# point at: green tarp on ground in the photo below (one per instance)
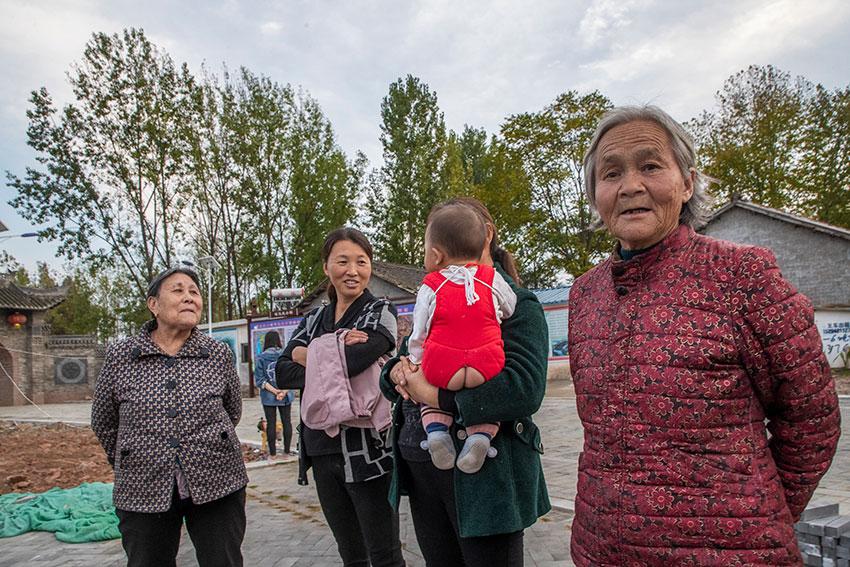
(75, 515)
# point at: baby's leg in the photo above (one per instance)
(439, 444)
(435, 418)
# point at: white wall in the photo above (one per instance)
(834, 328)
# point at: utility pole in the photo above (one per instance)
(210, 264)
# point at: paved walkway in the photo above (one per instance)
(286, 527)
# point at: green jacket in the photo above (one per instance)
(508, 493)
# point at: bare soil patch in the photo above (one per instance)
(38, 457)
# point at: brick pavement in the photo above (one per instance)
(286, 527)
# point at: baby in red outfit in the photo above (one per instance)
(456, 337)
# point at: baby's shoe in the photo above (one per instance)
(475, 450)
(442, 449)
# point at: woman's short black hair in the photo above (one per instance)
(271, 340)
(156, 283)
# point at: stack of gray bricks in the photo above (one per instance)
(824, 536)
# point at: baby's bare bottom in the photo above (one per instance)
(466, 377)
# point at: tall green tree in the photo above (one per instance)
(751, 141)
(779, 141)
(551, 145)
(111, 163)
(324, 186)
(13, 269)
(213, 181)
(824, 167)
(416, 173)
(80, 314)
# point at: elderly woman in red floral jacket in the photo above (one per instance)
(708, 407)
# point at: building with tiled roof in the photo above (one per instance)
(35, 366)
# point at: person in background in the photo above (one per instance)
(165, 409)
(273, 399)
(352, 469)
(708, 406)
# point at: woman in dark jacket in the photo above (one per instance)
(477, 519)
(708, 406)
(273, 399)
(165, 409)
(351, 470)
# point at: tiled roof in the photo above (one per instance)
(407, 278)
(14, 296)
(814, 225)
(553, 295)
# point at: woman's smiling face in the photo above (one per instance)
(349, 270)
(640, 189)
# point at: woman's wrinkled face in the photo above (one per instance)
(349, 269)
(640, 190)
(178, 305)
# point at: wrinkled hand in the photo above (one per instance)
(355, 336)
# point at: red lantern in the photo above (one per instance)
(16, 319)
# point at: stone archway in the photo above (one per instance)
(7, 390)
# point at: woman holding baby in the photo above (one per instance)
(473, 372)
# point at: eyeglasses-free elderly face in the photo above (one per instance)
(156, 283)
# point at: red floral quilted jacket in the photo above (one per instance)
(683, 359)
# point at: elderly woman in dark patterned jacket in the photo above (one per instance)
(708, 406)
(165, 409)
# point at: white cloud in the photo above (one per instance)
(271, 28)
(604, 17)
(681, 62)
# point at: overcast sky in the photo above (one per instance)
(485, 59)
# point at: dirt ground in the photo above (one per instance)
(35, 458)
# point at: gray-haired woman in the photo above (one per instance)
(165, 408)
(708, 406)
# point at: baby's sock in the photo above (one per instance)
(475, 450)
(440, 445)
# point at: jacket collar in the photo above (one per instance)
(350, 316)
(630, 269)
(196, 346)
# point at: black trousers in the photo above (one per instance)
(271, 427)
(432, 505)
(364, 524)
(216, 529)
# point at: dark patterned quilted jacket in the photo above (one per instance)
(151, 410)
(680, 357)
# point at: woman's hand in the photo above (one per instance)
(355, 336)
(411, 383)
(280, 394)
(299, 355)
(397, 375)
